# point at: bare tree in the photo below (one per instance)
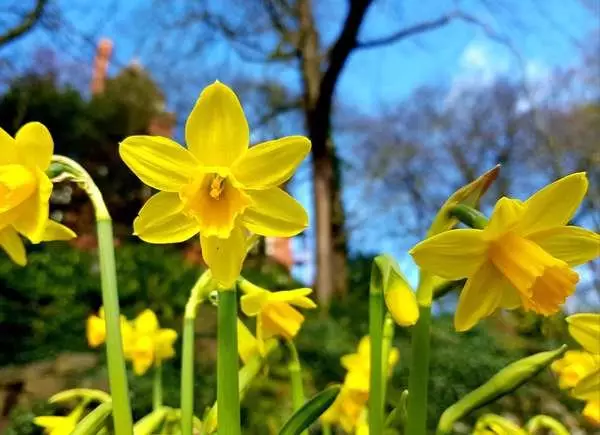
(25, 22)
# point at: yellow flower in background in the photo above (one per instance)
(585, 328)
(217, 187)
(574, 366)
(349, 408)
(247, 343)
(524, 257)
(95, 329)
(591, 412)
(55, 425)
(145, 343)
(274, 311)
(25, 191)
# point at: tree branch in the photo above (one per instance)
(26, 24)
(425, 26)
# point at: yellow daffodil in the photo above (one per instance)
(96, 329)
(524, 257)
(591, 412)
(575, 366)
(55, 425)
(247, 343)
(25, 191)
(217, 187)
(145, 343)
(274, 311)
(349, 407)
(585, 328)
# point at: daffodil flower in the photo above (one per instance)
(247, 343)
(274, 311)
(358, 365)
(217, 187)
(145, 343)
(55, 425)
(25, 191)
(574, 366)
(591, 412)
(95, 329)
(524, 257)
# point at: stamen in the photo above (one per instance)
(217, 185)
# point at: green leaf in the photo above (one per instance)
(310, 411)
(94, 421)
(504, 382)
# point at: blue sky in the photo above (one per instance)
(548, 35)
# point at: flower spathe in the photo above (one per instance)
(25, 191)
(524, 257)
(218, 186)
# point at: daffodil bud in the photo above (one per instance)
(399, 297)
(504, 382)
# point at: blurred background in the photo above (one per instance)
(403, 100)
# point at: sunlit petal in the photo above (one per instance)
(56, 231)
(589, 387)
(13, 245)
(296, 297)
(585, 328)
(554, 205)
(146, 322)
(452, 254)
(35, 144)
(8, 145)
(216, 131)
(17, 183)
(33, 216)
(161, 220)
(274, 213)
(252, 303)
(224, 257)
(159, 162)
(573, 245)
(272, 163)
(480, 297)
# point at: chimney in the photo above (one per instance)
(103, 53)
(280, 250)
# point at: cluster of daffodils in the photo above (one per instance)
(349, 411)
(580, 370)
(25, 191)
(145, 343)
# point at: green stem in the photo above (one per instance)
(325, 429)
(376, 311)
(386, 347)
(228, 413)
(541, 422)
(110, 298)
(157, 392)
(469, 216)
(295, 370)
(419, 373)
(197, 293)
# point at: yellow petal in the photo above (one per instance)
(247, 344)
(401, 300)
(294, 297)
(274, 213)
(252, 303)
(17, 183)
(161, 220)
(573, 245)
(164, 340)
(591, 411)
(272, 163)
(224, 257)
(585, 328)
(159, 162)
(13, 245)
(8, 145)
(480, 297)
(452, 254)
(50, 422)
(554, 205)
(35, 144)
(216, 131)
(146, 322)
(34, 211)
(588, 388)
(56, 231)
(505, 217)
(95, 331)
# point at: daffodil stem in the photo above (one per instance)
(418, 380)
(325, 429)
(69, 169)
(376, 399)
(388, 336)
(157, 392)
(469, 216)
(228, 413)
(198, 292)
(295, 370)
(117, 376)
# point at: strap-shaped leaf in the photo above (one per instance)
(94, 421)
(310, 411)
